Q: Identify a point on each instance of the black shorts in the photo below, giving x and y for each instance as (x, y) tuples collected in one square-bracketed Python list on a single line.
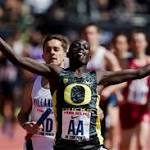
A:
[(29, 145), (86, 147)]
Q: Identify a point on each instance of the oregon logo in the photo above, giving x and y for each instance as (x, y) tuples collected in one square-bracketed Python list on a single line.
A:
[(65, 80), (69, 91)]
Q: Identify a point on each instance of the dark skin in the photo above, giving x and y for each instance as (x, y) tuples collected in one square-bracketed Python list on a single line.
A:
[(78, 55)]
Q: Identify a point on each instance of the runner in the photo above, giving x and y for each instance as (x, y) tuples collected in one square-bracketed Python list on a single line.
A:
[(120, 47), (134, 112), (102, 59), (38, 98), (76, 99)]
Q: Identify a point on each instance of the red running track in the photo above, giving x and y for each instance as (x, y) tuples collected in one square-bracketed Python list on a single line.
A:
[(14, 142)]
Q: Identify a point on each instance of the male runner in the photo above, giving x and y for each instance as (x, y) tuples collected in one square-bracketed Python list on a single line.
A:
[(134, 111), (76, 105), (103, 59), (38, 98)]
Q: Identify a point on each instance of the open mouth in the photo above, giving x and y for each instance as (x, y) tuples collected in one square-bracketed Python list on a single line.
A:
[(80, 54)]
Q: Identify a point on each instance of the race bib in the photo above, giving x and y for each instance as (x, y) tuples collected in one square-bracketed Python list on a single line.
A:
[(75, 125), (49, 127), (138, 91)]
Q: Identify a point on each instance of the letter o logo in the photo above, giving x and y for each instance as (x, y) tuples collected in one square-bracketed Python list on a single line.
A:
[(68, 92)]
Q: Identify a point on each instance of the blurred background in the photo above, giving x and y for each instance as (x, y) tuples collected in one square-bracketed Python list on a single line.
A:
[(24, 23)]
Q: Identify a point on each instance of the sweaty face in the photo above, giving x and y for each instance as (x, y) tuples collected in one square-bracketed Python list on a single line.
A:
[(78, 52), (138, 43), (53, 52)]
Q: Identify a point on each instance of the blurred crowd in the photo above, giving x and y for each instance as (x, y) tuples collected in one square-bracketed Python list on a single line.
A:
[(24, 23)]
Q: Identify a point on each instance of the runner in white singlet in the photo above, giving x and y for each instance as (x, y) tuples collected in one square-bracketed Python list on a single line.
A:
[(41, 100), (38, 98), (102, 60)]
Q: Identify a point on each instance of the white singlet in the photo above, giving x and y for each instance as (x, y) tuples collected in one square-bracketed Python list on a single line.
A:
[(41, 100), (97, 60)]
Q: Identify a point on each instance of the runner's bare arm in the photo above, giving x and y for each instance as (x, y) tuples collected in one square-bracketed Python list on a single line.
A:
[(111, 78), (26, 106), (23, 116), (25, 62)]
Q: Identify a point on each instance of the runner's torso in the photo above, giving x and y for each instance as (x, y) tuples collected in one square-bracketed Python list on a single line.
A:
[(97, 61), (136, 97), (137, 90), (76, 109), (41, 100)]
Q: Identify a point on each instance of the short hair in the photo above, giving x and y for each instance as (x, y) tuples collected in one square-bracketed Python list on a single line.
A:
[(63, 39), (138, 31), (89, 25), (117, 34)]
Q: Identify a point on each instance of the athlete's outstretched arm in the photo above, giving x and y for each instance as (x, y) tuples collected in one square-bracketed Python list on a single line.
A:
[(116, 77), (25, 62)]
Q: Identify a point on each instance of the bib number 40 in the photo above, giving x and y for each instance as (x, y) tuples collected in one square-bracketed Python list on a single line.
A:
[(48, 127)]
